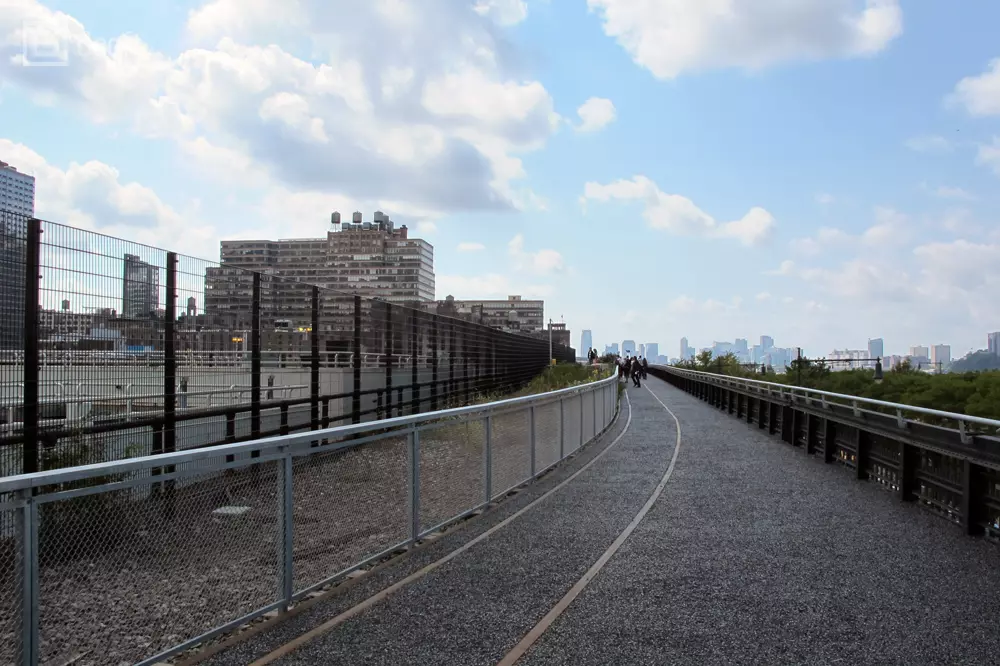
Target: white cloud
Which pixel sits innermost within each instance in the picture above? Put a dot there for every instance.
(890, 228)
(430, 115)
(946, 192)
(471, 247)
(980, 95)
(678, 214)
(989, 155)
(824, 199)
(543, 262)
(670, 37)
(595, 114)
(929, 143)
(763, 296)
(92, 196)
(426, 227)
(504, 12)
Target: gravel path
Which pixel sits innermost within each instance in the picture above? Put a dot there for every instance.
(758, 554)
(476, 607)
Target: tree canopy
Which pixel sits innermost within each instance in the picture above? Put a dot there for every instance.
(971, 393)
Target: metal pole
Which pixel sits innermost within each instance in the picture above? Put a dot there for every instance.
(314, 362)
(531, 425)
(414, 485)
(550, 342)
(255, 363)
(32, 278)
(287, 512)
(388, 351)
(414, 378)
(356, 363)
(27, 517)
(434, 363)
(488, 454)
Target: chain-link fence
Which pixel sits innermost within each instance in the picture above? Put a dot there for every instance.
(132, 561)
(111, 349)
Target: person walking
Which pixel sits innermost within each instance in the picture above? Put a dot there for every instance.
(645, 368)
(636, 372)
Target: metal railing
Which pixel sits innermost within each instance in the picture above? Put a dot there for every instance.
(140, 559)
(946, 462)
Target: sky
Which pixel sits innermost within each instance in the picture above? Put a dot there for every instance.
(821, 171)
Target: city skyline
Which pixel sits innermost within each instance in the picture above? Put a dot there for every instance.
(512, 134)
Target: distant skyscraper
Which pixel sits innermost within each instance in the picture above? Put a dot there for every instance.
(586, 343)
(628, 347)
(642, 350)
(766, 343)
(941, 354)
(611, 349)
(140, 288)
(919, 351)
(993, 343)
(876, 349)
(684, 348)
(652, 351)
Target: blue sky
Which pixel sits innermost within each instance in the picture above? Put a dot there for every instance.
(823, 174)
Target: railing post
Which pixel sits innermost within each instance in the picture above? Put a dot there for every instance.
(562, 429)
(434, 363)
(414, 486)
(314, 362)
(387, 349)
(255, 361)
(27, 534)
(531, 429)
(32, 277)
(488, 455)
(287, 555)
(414, 372)
(356, 364)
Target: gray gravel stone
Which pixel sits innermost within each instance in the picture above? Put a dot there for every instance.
(759, 554)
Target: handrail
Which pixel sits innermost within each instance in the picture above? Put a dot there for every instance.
(782, 388)
(67, 474)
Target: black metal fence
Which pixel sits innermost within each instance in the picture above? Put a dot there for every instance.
(952, 471)
(112, 349)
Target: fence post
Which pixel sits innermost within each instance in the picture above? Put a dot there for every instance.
(531, 428)
(255, 369)
(356, 364)
(32, 277)
(488, 454)
(562, 429)
(414, 485)
(414, 379)
(451, 358)
(170, 358)
(434, 363)
(27, 535)
(465, 361)
(387, 349)
(314, 362)
(286, 556)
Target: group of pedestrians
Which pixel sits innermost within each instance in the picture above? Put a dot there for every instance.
(634, 367)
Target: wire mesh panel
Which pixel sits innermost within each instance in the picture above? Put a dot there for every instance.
(452, 474)
(350, 505)
(126, 574)
(13, 251)
(510, 447)
(571, 424)
(587, 402)
(547, 435)
(11, 593)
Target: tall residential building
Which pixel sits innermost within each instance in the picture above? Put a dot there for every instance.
(628, 348)
(586, 343)
(13, 249)
(920, 351)
(642, 349)
(941, 354)
(876, 348)
(140, 288)
(375, 260)
(684, 348)
(993, 343)
(766, 343)
(515, 314)
(652, 351)
(17, 191)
